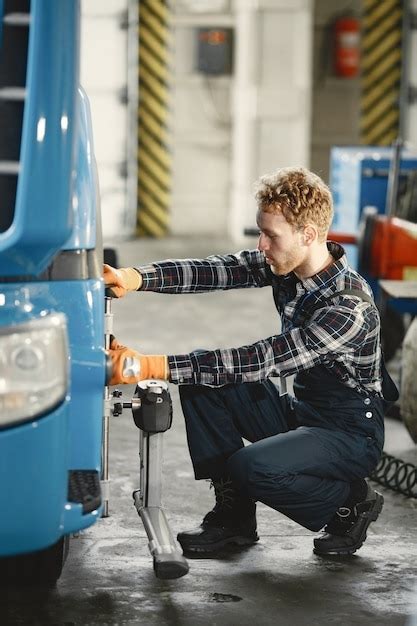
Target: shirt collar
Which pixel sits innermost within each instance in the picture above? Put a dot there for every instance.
(330, 273)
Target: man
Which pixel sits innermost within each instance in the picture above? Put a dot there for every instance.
(309, 454)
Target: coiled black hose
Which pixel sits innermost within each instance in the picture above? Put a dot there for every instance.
(397, 475)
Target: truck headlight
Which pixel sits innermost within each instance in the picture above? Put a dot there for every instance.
(34, 368)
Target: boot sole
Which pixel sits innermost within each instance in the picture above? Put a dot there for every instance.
(237, 540)
(348, 550)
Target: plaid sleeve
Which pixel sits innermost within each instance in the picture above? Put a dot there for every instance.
(334, 332)
(232, 271)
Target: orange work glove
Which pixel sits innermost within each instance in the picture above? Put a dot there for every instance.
(130, 367)
(121, 280)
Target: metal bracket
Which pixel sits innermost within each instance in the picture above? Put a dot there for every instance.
(412, 94)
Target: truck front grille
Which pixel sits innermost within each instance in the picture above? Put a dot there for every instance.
(14, 41)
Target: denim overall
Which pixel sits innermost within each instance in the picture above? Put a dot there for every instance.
(305, 450)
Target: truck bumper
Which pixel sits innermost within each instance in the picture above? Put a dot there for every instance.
(34, 509)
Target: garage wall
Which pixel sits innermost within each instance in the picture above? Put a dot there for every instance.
(201, 128)
(227, 130)
(336, 101)
(281, 107)
(410, 122)
(104, 77)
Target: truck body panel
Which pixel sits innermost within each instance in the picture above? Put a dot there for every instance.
(50, 267)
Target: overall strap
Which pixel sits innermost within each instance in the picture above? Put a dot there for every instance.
(389, 388)
(321, 304)
(359, 293)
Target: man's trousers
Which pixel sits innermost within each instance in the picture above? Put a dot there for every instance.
(300, 470)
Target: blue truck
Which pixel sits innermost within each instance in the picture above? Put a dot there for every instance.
(55, 318)
(52, 357)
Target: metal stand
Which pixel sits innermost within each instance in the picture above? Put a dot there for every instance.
(393, 175)
(105, 477)
(152, 413)
(168, 560)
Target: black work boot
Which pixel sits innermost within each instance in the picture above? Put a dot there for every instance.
(346, 531)
(231, 522)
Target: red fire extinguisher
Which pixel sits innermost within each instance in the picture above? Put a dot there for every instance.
(346, 46)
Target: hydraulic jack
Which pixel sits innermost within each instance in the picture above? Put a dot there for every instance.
(151, 407)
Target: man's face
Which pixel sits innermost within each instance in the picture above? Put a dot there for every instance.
(281, 244)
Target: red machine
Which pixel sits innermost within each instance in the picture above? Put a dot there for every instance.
(387, 246)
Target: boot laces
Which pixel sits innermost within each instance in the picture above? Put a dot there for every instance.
(225, 493)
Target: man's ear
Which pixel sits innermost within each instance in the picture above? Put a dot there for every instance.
(310, 234)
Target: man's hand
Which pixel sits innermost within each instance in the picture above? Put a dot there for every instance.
(130, 367)
(120, 281)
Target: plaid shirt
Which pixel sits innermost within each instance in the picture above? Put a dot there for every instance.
(343, 335)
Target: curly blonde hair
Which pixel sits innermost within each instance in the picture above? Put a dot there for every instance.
(300, 195)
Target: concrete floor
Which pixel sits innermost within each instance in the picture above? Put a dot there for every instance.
(108, 577)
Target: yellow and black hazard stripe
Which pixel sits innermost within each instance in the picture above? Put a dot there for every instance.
(381, 71)
(154, 158)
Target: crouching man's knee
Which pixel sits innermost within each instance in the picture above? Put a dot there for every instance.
(240, 469)
(252, 476)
